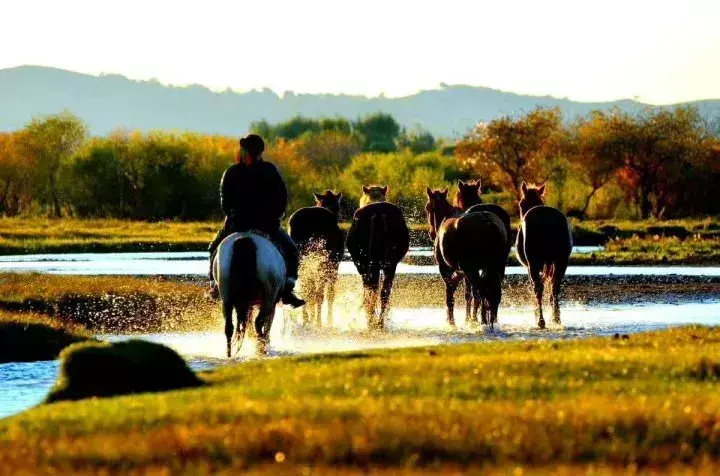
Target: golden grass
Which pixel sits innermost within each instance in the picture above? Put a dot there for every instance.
(647, 403)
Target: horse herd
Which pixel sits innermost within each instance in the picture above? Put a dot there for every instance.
(472, 241)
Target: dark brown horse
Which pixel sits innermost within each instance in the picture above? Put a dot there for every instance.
(468, 199)
(544, 244)
(322, 244)
(473, 246)
(378, 240)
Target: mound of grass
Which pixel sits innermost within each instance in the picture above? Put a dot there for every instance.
(101, 369)
(647, 403)
(28, 337)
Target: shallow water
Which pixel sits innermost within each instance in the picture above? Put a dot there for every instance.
(194, 263)
(23, 385)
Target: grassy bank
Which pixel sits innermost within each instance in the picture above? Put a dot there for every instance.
(109, 304)
(689, 241)
(26, 337)
(648, 402)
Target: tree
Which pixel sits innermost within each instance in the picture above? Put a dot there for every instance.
(511, 150)
(14, 173)
(378, 132)
(48, 143)
(418, 141)
(589, 150)
(657, 149)
(329, 150)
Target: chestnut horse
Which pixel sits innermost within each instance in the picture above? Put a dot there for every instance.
(317, 234)
(470, 245)
(544, 244)
(378, 240)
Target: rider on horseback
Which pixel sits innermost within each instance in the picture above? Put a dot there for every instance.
(253, 196)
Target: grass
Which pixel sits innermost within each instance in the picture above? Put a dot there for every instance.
(647, 403)
(27, 337)
(108, 303)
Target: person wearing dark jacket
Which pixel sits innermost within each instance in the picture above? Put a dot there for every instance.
(253, 196)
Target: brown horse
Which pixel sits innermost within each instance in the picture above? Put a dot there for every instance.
(544, 244)
(378, 240)
(473, 246)
(468, 199)
(322, 244)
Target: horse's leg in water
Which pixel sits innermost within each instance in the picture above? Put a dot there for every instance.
(468, 300)
(388, 278)
(228, 314)
(477, 284)
(494, 294)
(451, 284)
(371, 280)
(557, 277)
(243, 313)
(330, 290)
(263, 323)
(535, 273)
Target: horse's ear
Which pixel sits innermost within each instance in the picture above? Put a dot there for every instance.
(445, 192)
(317, 196)
(429, 192)
(366, 189)
(384, 189)
(541, 188)
(461, 184)
(524, 188)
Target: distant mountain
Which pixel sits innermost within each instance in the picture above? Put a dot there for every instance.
(108, 102)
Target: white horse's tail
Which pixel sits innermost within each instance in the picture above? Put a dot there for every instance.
(243, 271)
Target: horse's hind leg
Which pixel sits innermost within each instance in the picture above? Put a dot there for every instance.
(371, 280)
(468, 300)
(538, 286)
(388, 280)
(478, 302)
(263, 323)
(331, 285)
(557, 277)
(228, 314)
(243, 314)
(494, 295)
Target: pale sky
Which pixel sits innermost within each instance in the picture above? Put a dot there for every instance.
(656, 51)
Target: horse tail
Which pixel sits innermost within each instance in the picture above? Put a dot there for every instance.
(378, 234)
(243, 270)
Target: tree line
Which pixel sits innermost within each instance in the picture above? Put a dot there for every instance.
(660, 163)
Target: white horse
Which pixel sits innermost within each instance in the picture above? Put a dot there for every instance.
(250, 272)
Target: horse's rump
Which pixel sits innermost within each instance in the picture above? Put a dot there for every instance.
(474, 241)
(378, 234)
(503, 215)
(244, 284)
(316, 229)
(546, 239)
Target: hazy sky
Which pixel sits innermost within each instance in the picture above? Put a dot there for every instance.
(658, 51)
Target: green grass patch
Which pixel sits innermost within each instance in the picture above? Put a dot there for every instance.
(26, 337)
(644, 403)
